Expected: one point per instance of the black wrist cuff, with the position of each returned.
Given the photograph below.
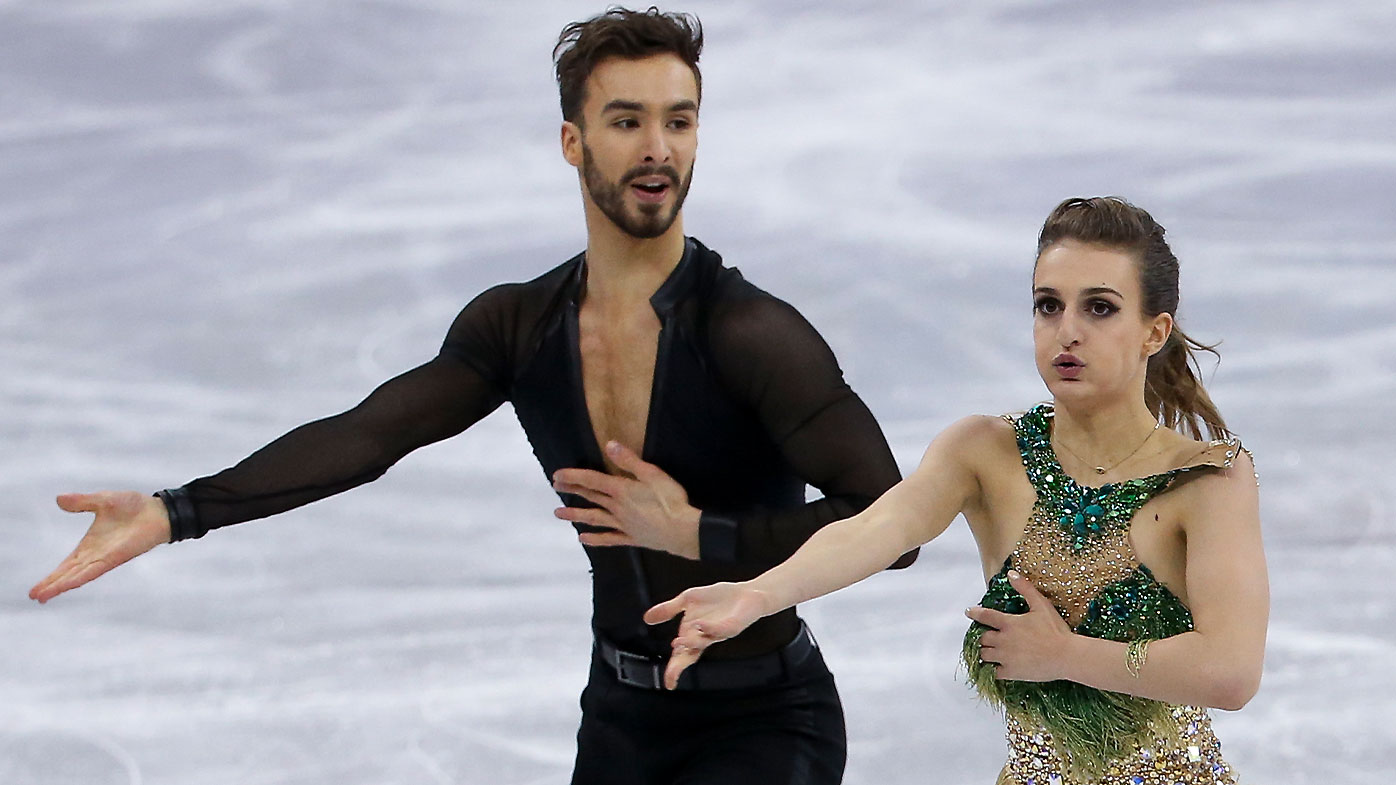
(717, 538)
(184, 521)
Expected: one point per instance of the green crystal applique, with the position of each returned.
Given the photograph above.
(1084, 512)
(1135, 607)
(1083, 516)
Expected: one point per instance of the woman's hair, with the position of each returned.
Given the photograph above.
(1173, 390)
(621, 32)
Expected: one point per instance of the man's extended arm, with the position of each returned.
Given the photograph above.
(429, 403)
(438, 399)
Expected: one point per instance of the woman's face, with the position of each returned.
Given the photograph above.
(1091, 339)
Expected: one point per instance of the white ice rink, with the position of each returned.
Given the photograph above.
(221, 219)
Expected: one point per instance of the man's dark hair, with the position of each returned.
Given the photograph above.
(621, 32)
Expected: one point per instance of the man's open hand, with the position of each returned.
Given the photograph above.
(649, 511)
(127, 524)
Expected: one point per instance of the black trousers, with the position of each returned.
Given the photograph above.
(786, 734)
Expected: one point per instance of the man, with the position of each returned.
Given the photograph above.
(679, 410)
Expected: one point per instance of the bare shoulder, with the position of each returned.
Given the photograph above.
(1228, 493)
(982, 430)
(977, 440)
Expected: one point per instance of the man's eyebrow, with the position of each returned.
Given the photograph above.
(623, 106)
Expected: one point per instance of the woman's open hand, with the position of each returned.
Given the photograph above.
(710, 614)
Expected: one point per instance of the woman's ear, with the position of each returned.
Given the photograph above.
(1159, 329)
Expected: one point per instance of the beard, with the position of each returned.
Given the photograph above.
(651, 221)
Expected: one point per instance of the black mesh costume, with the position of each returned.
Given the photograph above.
(748, 406)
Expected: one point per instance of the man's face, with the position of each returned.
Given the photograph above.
(636, 144)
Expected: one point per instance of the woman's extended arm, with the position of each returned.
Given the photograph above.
(1217, 664)
(911, 513)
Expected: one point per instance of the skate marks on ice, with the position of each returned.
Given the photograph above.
(65, 757)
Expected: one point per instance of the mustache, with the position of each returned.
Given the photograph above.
(645, 171)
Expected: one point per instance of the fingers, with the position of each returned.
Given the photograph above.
(666, 610)
(69, 575)
(591, 516)
(81, 575)
(1030, 593)
(606, 539)
(41, 590)
(679, 661)
(79, 502)
(688, 646)
(595, 497)
(693, 637)
(992, 656)
(593, 480)
(989, 617)
(627, 459)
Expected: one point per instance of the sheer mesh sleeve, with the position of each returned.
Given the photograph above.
(773, 359)
(431, 402)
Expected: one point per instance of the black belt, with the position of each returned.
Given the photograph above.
(638, 670)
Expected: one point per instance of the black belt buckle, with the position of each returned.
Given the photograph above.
(638, 671)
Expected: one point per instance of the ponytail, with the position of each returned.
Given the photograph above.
(1173, 389)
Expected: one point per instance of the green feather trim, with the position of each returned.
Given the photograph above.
(1089, 727)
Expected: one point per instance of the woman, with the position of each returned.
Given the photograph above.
(1127, 587)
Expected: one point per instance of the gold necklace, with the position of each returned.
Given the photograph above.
(1103, 469)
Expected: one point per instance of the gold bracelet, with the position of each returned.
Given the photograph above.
(1136, 654)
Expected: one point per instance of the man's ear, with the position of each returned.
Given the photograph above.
(571, 138)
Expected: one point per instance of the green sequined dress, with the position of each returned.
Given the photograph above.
(1076, 551)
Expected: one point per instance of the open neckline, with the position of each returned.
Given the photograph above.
(1034, 431)
(1203, 458)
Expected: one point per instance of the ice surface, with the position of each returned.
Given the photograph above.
(219, 220)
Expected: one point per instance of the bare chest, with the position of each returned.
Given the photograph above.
(618, 360)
